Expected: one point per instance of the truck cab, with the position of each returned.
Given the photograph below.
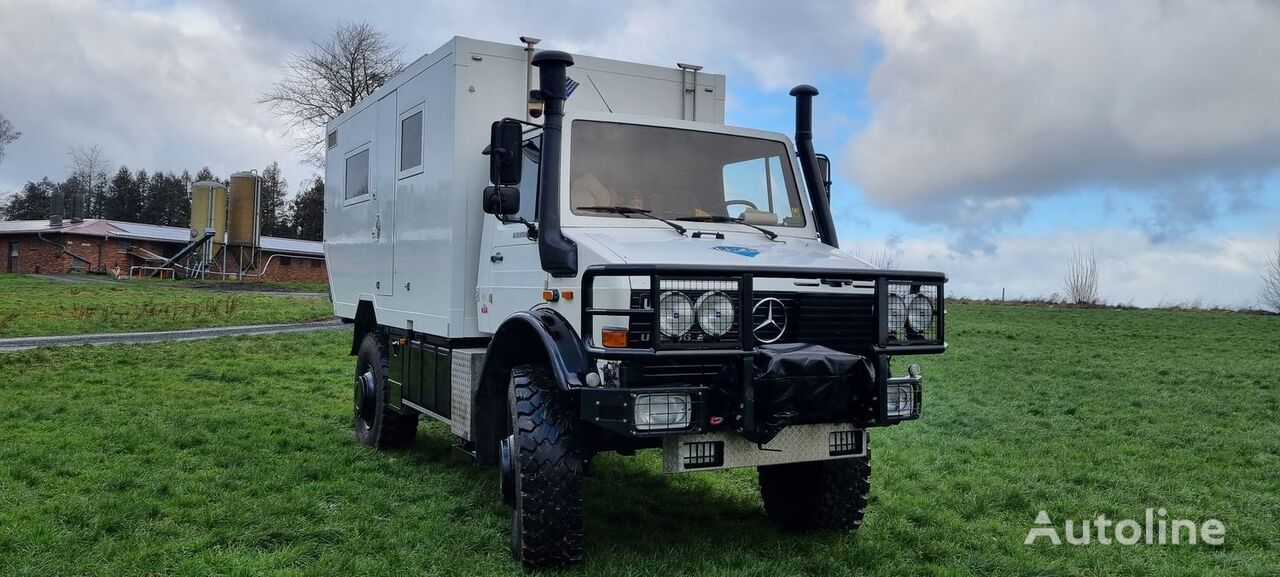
(557, 282)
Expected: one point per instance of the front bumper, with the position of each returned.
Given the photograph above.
(712, 411)
(612, 407)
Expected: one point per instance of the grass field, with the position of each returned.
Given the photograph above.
(34, 306)
(257, 285)
(234, 457)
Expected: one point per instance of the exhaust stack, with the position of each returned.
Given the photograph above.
(804, 94)
(559, 255)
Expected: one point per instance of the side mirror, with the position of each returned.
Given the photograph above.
(505, 139)
(501, 200)
(824, 166)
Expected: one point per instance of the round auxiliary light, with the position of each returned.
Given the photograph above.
(715, 313)
(897, 312)
(919, 312)
(675, 314)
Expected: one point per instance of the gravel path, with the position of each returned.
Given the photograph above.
(24, 343)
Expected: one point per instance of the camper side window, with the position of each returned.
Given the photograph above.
(411, 143)
(357, 181)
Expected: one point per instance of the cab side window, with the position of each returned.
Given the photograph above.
(532, 158)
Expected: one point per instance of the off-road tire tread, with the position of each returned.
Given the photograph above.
(549, 470)
(819, 495)
(389, 430)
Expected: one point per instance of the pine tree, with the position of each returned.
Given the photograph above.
(122, 197)
(307, 221)
(272, 202)
(178, 211)
(154, 200)
(31, 203)
(205, 174)
(97, 196)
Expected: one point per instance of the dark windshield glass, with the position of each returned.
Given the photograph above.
(679, 173)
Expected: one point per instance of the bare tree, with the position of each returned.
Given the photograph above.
(89, 165)
(330, 77)
(8, 134)
(1081, 282)
(882, 260)
(1270, 295)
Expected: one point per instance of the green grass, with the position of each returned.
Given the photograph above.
(255, 285)
(33, 306)
(234, 457)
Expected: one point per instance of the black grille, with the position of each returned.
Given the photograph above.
(703, 454)
(671, 372)
(843, 322)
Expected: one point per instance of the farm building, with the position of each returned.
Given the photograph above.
(99, 245)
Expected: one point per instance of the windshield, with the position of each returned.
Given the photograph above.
(676, 173)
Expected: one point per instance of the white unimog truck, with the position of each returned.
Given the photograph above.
(561, 255)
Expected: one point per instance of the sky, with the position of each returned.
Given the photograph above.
(988, 140)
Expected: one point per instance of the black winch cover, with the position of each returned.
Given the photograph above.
(805, 383)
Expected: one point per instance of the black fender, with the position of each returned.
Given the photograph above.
(535, 336)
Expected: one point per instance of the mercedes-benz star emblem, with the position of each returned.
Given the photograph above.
(774, 324)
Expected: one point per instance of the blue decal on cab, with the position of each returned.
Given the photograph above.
(738, 250)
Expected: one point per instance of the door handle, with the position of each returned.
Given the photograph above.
(377, 227)
(497, 257)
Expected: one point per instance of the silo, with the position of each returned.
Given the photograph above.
(243, 224)
(209, 211)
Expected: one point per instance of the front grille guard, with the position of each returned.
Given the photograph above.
(746, 340)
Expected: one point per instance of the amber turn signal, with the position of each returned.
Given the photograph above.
(614, 338)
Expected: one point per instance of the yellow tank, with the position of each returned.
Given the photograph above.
(243, 225)
(209, 210)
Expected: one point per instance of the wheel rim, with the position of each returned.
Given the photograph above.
(365, 394)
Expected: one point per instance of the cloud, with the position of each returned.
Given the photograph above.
(168, 86)
(163, 88)
(1219, 270)
(981, 105)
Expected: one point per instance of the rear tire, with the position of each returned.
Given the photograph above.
(546, 458)
(829, 495)
(375, 422)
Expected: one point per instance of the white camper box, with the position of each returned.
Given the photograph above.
(404, 173)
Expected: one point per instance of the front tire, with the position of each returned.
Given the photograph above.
(545, 456)
(376, 424)
(830, 495)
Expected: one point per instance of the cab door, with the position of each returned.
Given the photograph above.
(511, 275)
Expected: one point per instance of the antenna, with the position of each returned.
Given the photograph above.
(529, 43)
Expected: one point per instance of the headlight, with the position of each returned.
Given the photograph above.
(661, 411)
(919, 312)
(897, 312)
(675, 314)
(715, 313)
(900, 400)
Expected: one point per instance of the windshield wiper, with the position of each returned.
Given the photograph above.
(714, 218)
(627, 211)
